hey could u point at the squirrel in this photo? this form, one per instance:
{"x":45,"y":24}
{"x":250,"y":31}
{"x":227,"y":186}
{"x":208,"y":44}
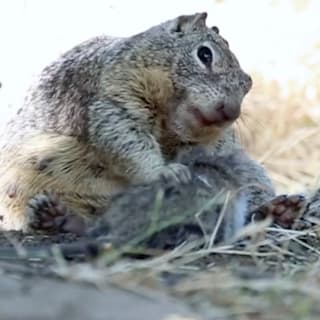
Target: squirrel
{"x":115,"y":112}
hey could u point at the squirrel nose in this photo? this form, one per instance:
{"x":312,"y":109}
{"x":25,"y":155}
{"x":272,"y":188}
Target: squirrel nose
{"x":246,"y":82}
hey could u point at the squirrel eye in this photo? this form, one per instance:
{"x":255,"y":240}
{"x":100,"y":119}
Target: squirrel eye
{"x":205,"y":55}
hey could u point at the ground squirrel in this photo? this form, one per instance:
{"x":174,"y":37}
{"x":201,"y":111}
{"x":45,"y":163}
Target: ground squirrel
{"x":113,"y":112}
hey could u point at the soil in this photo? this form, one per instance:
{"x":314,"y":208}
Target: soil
{"x":38,"y":283}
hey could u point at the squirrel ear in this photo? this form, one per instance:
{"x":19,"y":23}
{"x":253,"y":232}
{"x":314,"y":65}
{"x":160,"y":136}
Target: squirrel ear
{"x":215,"y":29}
{"x":189,"y":23}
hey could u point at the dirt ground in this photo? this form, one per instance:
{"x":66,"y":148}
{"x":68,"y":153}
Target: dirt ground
{"x":35,"y":298}
{"x":31,"y":280}
{"x":275,"y":277}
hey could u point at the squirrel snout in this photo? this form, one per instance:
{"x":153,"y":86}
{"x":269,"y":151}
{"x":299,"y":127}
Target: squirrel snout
{"x":219,"y":113}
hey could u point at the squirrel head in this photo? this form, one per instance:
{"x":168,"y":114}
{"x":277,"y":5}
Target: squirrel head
{"x":209,"y":84}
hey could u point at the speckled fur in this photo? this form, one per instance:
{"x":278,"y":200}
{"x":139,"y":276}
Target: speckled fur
{"x":113,"y":112}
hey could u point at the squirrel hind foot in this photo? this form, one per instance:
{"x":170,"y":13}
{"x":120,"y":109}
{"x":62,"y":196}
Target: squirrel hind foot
{"x":284,"y":209}
{"x":46,"y":213}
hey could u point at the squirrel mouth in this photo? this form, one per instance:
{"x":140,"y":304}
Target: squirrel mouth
{"x":217,"y":119}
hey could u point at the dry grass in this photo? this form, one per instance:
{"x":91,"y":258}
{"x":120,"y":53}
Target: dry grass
{"x":281,"y":129}
{"x":275,"y":277}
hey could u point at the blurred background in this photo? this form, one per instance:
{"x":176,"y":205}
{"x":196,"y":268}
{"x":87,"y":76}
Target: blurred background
{"x":276,"y":41}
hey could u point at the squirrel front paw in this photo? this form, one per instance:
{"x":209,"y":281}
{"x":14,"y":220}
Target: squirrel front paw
{"x":174,"y":172}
